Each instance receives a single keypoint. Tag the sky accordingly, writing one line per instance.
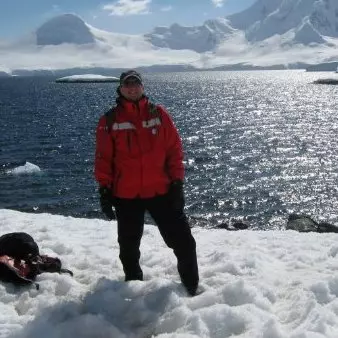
(255, 284)
(20, 17)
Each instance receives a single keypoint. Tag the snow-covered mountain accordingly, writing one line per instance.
(270, 33)
(67, 28)
(319, 17)
(301, 21)
(256, 13)
(200, 38)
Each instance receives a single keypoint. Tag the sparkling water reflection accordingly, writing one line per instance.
(258, 145)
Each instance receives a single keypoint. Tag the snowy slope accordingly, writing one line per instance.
(67, 28)
(200, 38)
(324, 17)
(256, 13)
(307, 34)
(321, 17)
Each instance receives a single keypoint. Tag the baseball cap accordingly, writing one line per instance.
(130, 74)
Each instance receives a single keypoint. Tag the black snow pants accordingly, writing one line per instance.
(174, 229)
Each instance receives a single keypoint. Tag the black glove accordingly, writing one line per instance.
(107, 201)
(176, 195)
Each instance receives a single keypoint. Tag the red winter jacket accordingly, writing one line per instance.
(141, 154)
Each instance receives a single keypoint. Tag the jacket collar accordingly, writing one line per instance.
(132, 105)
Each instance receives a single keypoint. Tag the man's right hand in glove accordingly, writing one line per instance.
(107, 202)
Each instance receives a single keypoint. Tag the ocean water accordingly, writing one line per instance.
(258, 145)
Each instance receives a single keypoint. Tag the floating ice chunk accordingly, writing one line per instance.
(88, 78)
(27, 168)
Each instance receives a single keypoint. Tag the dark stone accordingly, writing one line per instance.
(301, 223)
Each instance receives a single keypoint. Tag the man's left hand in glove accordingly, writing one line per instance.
(176, 195)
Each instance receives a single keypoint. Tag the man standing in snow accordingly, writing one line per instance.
(139, 167)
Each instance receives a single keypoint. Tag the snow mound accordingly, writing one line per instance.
(67, 28)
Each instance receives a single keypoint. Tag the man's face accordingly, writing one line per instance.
(132, 89)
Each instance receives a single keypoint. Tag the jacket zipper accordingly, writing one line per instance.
(140, 149)
(129, 141)
(119, 174)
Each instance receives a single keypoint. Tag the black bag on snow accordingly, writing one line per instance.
(21, 262)
(18, 245)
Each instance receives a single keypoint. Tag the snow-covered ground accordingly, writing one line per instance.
(267, 284)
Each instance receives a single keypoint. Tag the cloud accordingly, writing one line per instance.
(128, 7)
(218, 3)
(166, 9)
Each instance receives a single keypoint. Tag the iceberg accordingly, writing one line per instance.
(27, 168)
(87, 78)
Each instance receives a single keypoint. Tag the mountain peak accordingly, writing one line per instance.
(66, 28)
(198, 38)
(257, 12)
(312, 17)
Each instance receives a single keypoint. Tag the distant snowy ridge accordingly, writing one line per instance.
(200, 38)
(302, 22)
(323, 67)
